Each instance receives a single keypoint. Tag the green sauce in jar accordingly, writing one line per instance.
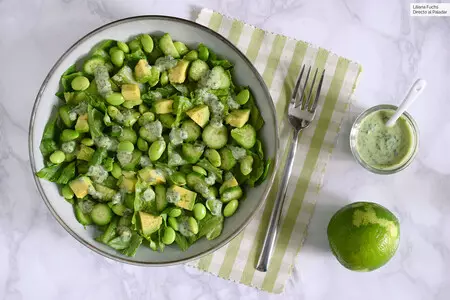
(382, 147)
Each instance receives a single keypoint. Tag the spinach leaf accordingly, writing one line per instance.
(144, 198)
(95, 121)
(48, 143)
(205, 164)
(134, 243)
(50, 173)
(221, 62)
(48, 146)
(181, 241)
(265, 173)
(180, 105)
(67, 174)
(257, 171)
(96, 101)
(210, 226)
(256, 120)
(259, 149)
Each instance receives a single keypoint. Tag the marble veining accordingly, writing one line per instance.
(39, 260)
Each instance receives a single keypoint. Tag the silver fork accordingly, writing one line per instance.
(300, 114)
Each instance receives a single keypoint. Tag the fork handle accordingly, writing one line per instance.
(274, 222)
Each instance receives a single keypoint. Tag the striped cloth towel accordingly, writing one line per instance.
(279, 59)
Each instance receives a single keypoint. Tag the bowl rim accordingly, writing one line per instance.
(119, 258)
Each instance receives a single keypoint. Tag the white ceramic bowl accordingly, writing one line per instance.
(191, 34)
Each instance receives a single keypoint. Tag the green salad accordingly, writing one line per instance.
(153, 143)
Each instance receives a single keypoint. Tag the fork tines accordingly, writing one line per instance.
(302, 99)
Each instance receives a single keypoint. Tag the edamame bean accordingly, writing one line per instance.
(143, 108)
(87, 142)
(114, 113)
(67, 192)
(164, 79)
(175, 212)
(199, 170)
(173, 223)
(128, 134)
(134, 45)
(214, 157)
(57, 157)
(123, 46)
(146, 118)
(243, 97)
(199, 211)
(169, 236)
(231, 193)
(125, 146)
(156, 149)
(193, 225)
(181, 48)
(117, 57)
(246, 165)
(178, 178)
(230, 208)
(147, 43)
(115, 99)
(113, 49)
(142, 144)
(203, 52)
(69, 135)
(80, 83)
(116, 171)
(191, 55)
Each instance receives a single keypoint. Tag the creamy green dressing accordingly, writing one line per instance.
(382, 147)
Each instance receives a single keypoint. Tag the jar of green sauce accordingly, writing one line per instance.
(381, 149)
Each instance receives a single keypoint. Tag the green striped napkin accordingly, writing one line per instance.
(278, 59)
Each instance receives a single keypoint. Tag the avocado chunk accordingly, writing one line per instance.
(149, 223)
(82, 124)
(85, 153)
(199, 114)
(105, 193)
(152, 176)
(167, 47)
(230, 182)
(238, 118)
(131, 92)
(143, 71)
(163, 106)
(127, 183)
(187, 197)
(178, 73)
(80, 186)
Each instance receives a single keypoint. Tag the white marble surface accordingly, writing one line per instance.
(39, 260)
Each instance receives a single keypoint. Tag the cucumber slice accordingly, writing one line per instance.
(244, 136)
(92, 63)
(192, 152)
(167, 120)
(227, 158)
(198, 69)
(109, 233)
(192, 129)
(101, 214)
(119, 209)
(215, 137)
(160, 198)
(82, 218)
